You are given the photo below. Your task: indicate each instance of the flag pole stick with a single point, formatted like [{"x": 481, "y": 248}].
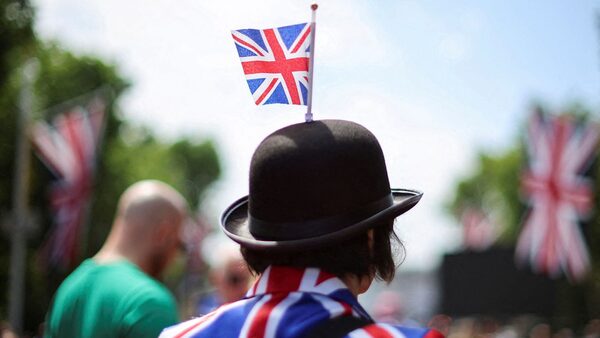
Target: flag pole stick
[
  {"x": 313, "y": 27},
  {"x": 18, "y": 256}
]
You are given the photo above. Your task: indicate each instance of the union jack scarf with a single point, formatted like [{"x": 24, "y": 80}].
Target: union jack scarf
[{"x": 288, "y": 303}]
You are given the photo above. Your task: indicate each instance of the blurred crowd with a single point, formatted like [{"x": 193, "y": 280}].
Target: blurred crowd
[
  {"x": 229, "y": 279},
  {"x": 530, "y": 326},
  {"x": 523, "y": 326}
]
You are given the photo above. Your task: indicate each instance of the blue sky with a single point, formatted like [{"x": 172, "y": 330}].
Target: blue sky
[
  {"x": 498, "y": 56},
  {"x": 436, "y": 81}
]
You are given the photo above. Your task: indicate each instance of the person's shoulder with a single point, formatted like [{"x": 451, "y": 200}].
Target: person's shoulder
[
  {"x": 388, "y": 330},
  {"x": 129, "y": 277},
  {"x": 146, "y": 289},
  {"x": 145, "y": 306},
  {"x": 135, "y": 290},
  {"x": 181, "y": 328},
  {"x": 225, "y": 321},
  {"x": 82, "y": 270},
  {"x": 77, "y": 279}
]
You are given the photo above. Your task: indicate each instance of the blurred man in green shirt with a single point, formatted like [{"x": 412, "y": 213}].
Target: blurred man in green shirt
[{"x": 115, "y": 293}]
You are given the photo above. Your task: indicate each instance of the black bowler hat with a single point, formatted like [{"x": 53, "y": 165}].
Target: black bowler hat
[{"x": 312, "y": 184}]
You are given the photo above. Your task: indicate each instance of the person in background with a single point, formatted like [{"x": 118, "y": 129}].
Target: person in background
[
  {"x": 592, "y": 329},
  {"x": 317, "y": 228},
  {"x": 116, "y": 293},
  {"x": 6, "y": 330},
  {"x": 388, "y": 307},
  {"x": 229, "y": 276}
]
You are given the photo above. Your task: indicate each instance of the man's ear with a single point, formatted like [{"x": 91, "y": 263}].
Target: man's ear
[{"x": 162, "y": 232}]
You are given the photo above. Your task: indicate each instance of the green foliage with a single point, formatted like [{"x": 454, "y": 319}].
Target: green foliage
[
  {"x": 592, "y": 230},
  {"x": 63, "y": 75},
  {"x": 200, "y": 165},
  {"x": 129, "y": 153},
  {"x": 16, "y": 35},
  {"x": 16, "y": 38},
  {"x": 188, "y": 166},
  {"x": 495, "y": 186}
]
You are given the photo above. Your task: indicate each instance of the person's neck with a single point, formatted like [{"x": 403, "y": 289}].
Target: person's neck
[
  {"x": 111, "y": 253},
  {"x": 357, "y": 285},
  {"x": 108, "y": 255}
]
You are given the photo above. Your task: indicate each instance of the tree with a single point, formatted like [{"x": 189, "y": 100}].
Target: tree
[
  {"x": 129, "y": 153},
  {"x": 494, "y": 186},
  {"x": 16, "y": 35},
  {"x": 16, "y": 39}
]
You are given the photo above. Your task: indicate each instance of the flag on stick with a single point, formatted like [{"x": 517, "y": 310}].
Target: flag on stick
[
  {"x": 559, "y": 152},
  {"x": 277, "y": 62},
  {"x": 69, "y": 150}
]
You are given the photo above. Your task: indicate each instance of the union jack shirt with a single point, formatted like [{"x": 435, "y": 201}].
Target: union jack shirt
[
  {"x": 288, "y": 303},
  {"x": 275, "y": 62}
]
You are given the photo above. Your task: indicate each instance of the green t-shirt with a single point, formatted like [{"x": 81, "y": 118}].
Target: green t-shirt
[{"x": 110, "y": 300}]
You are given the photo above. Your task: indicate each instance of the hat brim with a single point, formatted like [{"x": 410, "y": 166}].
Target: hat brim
[{"x": 234, "y": 223}]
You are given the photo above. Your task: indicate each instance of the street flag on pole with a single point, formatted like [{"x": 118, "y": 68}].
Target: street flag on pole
[
  {"x": 559, "y": 152},
  {"x": 479, "y": 233},
  {"x": 69, "y": 150},
  {"x": 277, "y": 62}
]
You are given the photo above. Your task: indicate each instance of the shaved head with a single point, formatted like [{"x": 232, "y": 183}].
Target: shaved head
[
  {"x": 150, "y": 202},
  {"x": 146, "y": 230}
]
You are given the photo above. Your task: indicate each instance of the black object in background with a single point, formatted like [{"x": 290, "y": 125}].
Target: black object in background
[{"x": 490, "y": 283}]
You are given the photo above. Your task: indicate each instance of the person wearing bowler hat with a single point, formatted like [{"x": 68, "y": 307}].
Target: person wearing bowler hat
[{"x": 317, "y": 229}]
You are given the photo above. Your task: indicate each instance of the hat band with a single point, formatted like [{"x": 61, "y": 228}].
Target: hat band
[{"x": 278, "y": 231}]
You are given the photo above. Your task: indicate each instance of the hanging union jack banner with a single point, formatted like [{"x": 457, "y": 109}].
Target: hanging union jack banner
[
  {"x": 559, "y": 152},
  {"x": 69, "y": 149},
  {"x": 276, "y": 62},
  {"x": 479, "y": 232}
]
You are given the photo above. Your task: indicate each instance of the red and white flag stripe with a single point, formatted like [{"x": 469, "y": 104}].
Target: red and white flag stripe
[
  {"x": 69, "y": 149},
  {"x": 559, "y": 195}
]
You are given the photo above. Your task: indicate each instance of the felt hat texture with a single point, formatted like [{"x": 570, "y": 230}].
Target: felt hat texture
[{"x": 312, "y": 184}]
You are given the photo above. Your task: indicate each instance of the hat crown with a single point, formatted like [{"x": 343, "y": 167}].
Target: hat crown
[{"x": 316, "y": 170}]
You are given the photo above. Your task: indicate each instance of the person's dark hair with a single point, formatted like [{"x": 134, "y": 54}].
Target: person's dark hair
[{"x": 349, "y": 257}]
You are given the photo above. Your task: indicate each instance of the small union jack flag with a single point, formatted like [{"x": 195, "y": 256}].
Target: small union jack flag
[
  {"x": 275, "y": 62},
  {"x": 68, "y": 148},
  {"x": 558, "y": 194}
]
